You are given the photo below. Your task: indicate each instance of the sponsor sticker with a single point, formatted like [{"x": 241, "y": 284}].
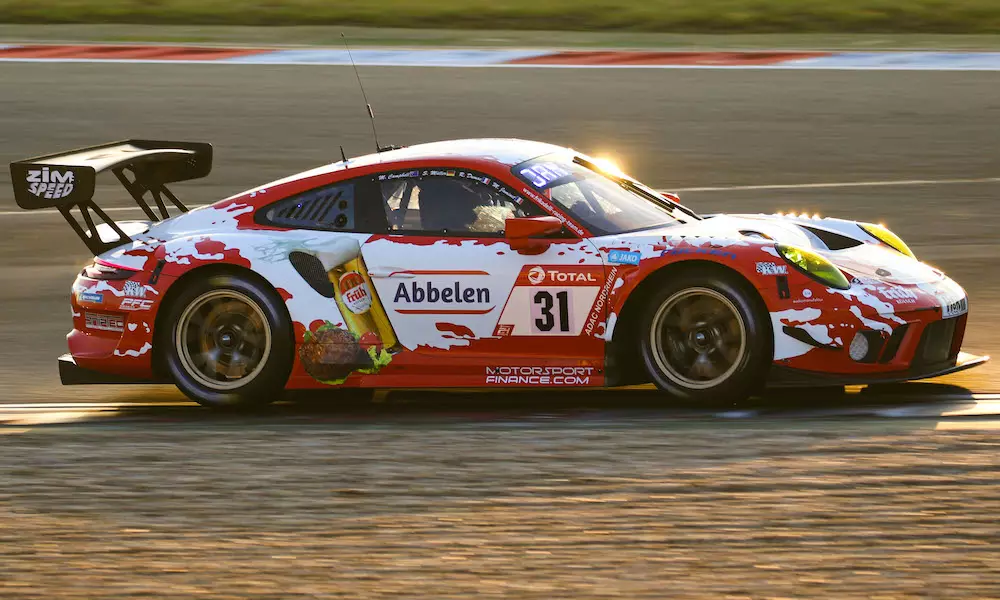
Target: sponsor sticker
[
  {"x": 456, "y": 293},
  {"x": 46, "y": 183},
  {"x": 135, "y": 304},
  {"x": 624, "y": 257},
  {"x": 355, "y": 293},
  {"x": 504, "y": 330},
  {"x": 539, "y": 375},
  {"x": 134, "y": 289},
  {"x": 104, "y": 322},
  {"x": 900, "y": 295},
  {"x": 91, "y": 297},
  {"x": 602, "y": 297},
  {"x": 770, "y": 268},
  {"x": 956, "y": 308},
  {"x": 709, "y": 251},
  {"x": 564, "y": 275}
]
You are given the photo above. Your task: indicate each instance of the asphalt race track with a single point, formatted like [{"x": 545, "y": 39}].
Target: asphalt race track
[
  {"x": 889, "y": 492},
  {"x": 672, "y": 129}
]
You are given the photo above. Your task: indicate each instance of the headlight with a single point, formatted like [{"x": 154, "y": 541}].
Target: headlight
[
  {"x": 815, "y": 266},
  {"x": 888, "y": 238}
]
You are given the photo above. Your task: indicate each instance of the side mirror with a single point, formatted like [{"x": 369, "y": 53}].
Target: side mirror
[{"x": 527, "y": 234}]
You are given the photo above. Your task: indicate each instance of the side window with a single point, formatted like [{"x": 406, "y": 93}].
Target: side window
[
  {"x": 329, "y": 208},
  {"x": 449, "y": 201}
]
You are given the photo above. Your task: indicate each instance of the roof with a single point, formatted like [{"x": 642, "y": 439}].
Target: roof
[{"x": 505, "y": 151}]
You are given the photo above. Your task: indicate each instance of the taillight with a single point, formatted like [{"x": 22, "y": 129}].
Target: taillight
[{"x": 105, "y": 270}]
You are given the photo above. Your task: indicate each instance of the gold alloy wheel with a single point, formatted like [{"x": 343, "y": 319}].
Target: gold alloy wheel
[
  {"x": 698, "y": 338},
  {"x": 223, "y": 339}
]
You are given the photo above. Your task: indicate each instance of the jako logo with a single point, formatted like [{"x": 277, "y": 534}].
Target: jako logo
[
  {"x": 417, "y": 293},
  {"x": 624, "y": 257},
  {"x": 536, "y": 275},
  {"x": 50, "y": 184}
]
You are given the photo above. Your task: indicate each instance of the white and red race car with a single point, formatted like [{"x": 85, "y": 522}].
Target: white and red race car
[{"x": 477, "y": 263}]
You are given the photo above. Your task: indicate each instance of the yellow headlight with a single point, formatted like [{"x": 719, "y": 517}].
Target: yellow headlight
[
  {"x": 888, "y": 238},
  {"x": 815, "y": 266}
]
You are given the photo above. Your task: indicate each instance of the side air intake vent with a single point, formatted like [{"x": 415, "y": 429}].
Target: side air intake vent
[
  {"x": 833, "y": 241},
  {"x": 755, "y": 234}
]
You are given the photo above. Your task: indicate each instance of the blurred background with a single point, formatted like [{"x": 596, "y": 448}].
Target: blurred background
[{"x": 596, "y": 495}]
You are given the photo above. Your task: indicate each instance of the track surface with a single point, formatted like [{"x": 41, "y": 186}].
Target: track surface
[
  {"x": 638, "y": 503},
  {"x": 673, "y": 129}
]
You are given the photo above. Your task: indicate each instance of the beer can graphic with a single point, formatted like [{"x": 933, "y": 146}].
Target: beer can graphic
[{"x": 355, "y": 295}]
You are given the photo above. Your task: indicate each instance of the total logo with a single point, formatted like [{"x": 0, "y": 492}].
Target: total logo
[
  {"x": 537, "y": 275},
  {"x": 45, "y": 183}
]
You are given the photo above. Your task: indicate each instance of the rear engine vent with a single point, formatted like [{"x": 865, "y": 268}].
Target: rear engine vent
[{"x": 833, "y": 241}]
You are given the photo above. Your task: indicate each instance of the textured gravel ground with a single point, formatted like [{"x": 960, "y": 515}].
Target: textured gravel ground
[{"x": 524, "y": 507}]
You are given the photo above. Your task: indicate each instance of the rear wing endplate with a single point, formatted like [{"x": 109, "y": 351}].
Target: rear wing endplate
[{"x": 66, "y": 181}]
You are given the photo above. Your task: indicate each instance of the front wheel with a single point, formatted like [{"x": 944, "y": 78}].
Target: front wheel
[
  {"x": 231, "y": 343},
  {"x": 706, "y": 339}
]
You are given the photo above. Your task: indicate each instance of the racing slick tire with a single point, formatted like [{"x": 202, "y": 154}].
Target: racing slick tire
[
  {"x": 706, "y": 339},
  {"x": 230, "y": 342}
]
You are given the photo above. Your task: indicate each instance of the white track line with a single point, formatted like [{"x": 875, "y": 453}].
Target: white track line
[
  {"x": 46, "y": 211},
  {"x": 729, "y": 188},
  {"x": 844, "y": 184}
]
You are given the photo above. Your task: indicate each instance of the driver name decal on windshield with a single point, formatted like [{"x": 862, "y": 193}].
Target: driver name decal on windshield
[{"x": 541, "y": 175}]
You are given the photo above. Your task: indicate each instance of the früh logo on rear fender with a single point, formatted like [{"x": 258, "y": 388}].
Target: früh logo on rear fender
[{"x": 46, "y": 183}]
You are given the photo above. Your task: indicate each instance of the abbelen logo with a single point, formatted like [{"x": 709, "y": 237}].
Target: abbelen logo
[
  {"x": 536, "y": 275},
  {"x": 50, "y": 184},
  {"x": 428, "y": 292}
]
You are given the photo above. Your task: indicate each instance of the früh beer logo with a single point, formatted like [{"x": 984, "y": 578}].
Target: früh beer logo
[
  {"x": 355, "y": 292},
  {"x": 46, "y": 183}
]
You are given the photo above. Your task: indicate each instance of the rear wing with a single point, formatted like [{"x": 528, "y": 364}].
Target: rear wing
[{"x": 66, "y": 181}]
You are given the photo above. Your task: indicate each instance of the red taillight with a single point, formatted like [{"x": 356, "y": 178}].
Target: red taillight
[{"x": 107, "y": 271}]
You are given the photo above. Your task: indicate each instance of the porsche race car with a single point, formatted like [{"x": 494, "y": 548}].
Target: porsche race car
[{"x": 486, "y": 263}]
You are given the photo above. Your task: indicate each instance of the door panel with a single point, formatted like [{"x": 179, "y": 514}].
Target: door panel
[{"x": 468, "y": 302}]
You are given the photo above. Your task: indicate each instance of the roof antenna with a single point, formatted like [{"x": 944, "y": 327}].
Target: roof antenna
[{"x": 371, "y": 114}]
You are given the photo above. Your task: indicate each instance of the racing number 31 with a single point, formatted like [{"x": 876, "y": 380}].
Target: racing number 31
[{"x": 546, "y": 320}]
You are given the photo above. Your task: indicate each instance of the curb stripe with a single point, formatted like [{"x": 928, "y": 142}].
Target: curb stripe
[{"x": 498, "y": 57}]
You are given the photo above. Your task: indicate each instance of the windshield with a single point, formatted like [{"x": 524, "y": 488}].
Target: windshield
[{"x": 604, "y": 203}]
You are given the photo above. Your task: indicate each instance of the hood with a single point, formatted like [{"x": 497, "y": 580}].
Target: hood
[{"x": 845, "y": 243}]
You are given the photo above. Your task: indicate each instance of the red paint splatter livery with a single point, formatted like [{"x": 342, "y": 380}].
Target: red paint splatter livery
[{"x": 470, "y": 311}]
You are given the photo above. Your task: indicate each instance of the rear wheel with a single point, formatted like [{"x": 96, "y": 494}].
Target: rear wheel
[
  {"x": 231, "y": 343},
  {"x": 706, "y": 339}
]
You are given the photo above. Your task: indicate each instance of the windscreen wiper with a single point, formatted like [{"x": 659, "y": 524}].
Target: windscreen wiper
[{"x": 638, "y": 188}]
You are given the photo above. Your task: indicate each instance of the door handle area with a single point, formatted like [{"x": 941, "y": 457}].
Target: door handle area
[{"x": 390, "y": 272}]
